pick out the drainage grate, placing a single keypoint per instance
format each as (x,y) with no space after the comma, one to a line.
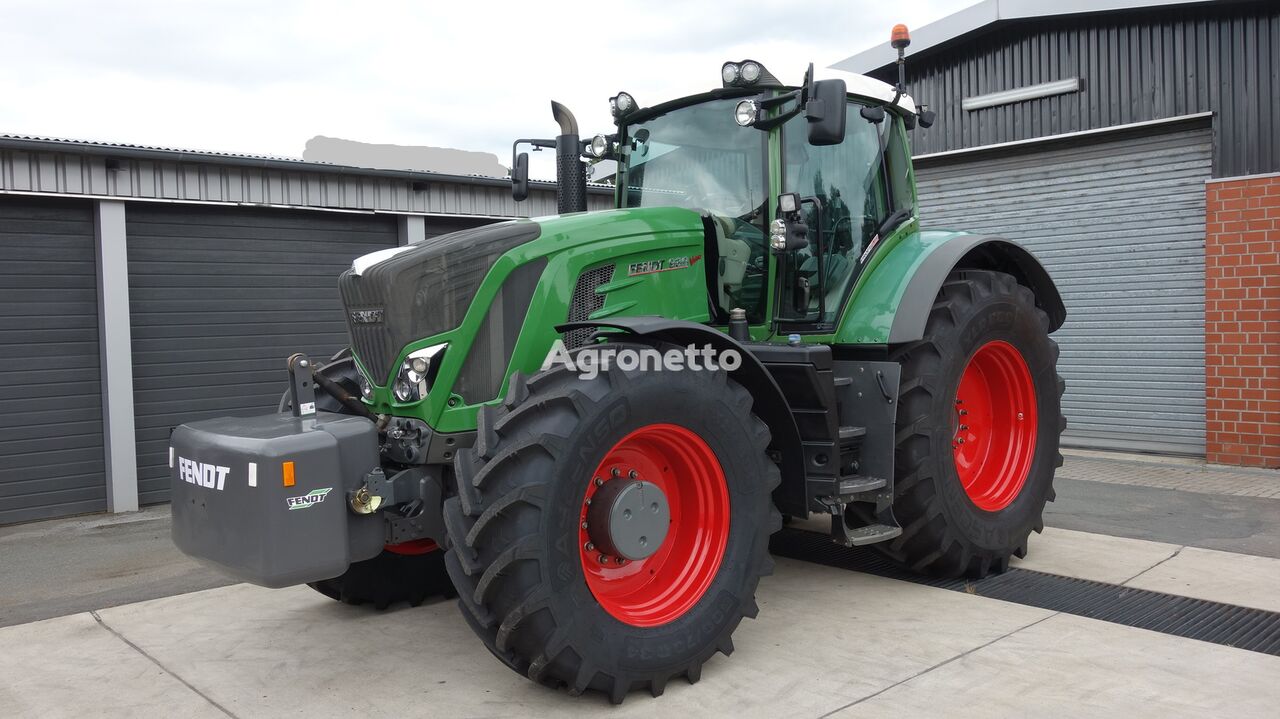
(1256,630)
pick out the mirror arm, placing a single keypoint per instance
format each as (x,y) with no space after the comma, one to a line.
(772,122)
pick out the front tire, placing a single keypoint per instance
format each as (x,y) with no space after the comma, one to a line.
(979,422)
(535,583)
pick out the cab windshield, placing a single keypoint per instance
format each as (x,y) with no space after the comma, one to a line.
(697,157)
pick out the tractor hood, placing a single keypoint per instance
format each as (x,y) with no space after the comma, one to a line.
(400,296)
(395,297)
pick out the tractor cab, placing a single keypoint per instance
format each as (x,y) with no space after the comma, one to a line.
(832,149)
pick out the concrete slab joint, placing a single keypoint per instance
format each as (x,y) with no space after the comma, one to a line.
(115,351)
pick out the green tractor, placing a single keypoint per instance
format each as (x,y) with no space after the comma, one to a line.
(588,425)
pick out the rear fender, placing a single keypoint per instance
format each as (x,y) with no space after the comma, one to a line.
(891,305)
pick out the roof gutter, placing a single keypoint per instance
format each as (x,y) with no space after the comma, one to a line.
(266,163)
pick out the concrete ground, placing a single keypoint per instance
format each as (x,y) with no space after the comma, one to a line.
(129,627)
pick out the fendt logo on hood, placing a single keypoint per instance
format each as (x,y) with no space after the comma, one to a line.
(202,474)
(367,317)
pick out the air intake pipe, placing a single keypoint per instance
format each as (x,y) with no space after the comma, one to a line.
(571,171)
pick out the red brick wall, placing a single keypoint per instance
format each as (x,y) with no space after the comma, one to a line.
(1242,321)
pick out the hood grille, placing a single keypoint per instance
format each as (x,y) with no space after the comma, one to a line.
(585,301)
(422,291)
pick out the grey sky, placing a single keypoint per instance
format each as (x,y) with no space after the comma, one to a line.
(264,76)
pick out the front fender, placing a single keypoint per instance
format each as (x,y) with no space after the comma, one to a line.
(768,401)
(891,303)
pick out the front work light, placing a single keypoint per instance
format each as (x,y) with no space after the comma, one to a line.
(778,235)
(746,112)
(621,104)
(599,146)
(746,74)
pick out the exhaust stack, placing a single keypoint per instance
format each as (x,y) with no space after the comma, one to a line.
(571,172)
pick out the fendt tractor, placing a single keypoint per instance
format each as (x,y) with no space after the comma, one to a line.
(499,428)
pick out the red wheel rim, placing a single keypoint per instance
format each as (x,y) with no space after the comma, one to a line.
(417,546)
(665,585)
(995,425)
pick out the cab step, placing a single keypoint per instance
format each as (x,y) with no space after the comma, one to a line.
(870,534)
(852,433)
(850,488)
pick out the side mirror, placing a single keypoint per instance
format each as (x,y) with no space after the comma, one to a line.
(520,178)
(825,111)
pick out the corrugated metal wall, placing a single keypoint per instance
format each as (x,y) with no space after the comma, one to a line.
(1119,224)
(51,451)
(219,298)
(83,174)
(1135,66)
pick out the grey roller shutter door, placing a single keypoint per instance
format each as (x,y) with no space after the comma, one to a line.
(51,454)
(219,299)
(1120,226)
(437,226)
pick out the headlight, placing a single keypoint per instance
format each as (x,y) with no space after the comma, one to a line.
(729,73)
(599,146)
(366,388)
(416,373)
(750,72)
(745,113)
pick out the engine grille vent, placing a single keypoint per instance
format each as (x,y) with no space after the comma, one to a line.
(586,301)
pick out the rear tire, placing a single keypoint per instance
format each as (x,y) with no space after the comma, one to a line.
(972,479)
(399,574)
(527,583)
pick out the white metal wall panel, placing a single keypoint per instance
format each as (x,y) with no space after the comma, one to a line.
(51,454)
(1119,224)
(202,178)
(219,299)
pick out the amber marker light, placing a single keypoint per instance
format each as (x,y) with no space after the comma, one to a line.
(899,38)
(286,470)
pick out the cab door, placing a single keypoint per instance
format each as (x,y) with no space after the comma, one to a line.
(846,195)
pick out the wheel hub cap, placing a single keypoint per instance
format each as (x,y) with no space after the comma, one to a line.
(628,518)
(995,425)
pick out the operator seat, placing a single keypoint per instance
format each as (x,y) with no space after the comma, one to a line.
(734,256)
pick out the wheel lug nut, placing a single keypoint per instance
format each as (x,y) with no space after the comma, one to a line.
(620,560)
(584,525)
(963,412)
(588,502)
(604,559)
(615,472)
(590,547)
(632,474)
(1019,416)
(964,427)
(599,481)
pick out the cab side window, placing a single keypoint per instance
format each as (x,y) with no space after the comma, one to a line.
(847,180)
